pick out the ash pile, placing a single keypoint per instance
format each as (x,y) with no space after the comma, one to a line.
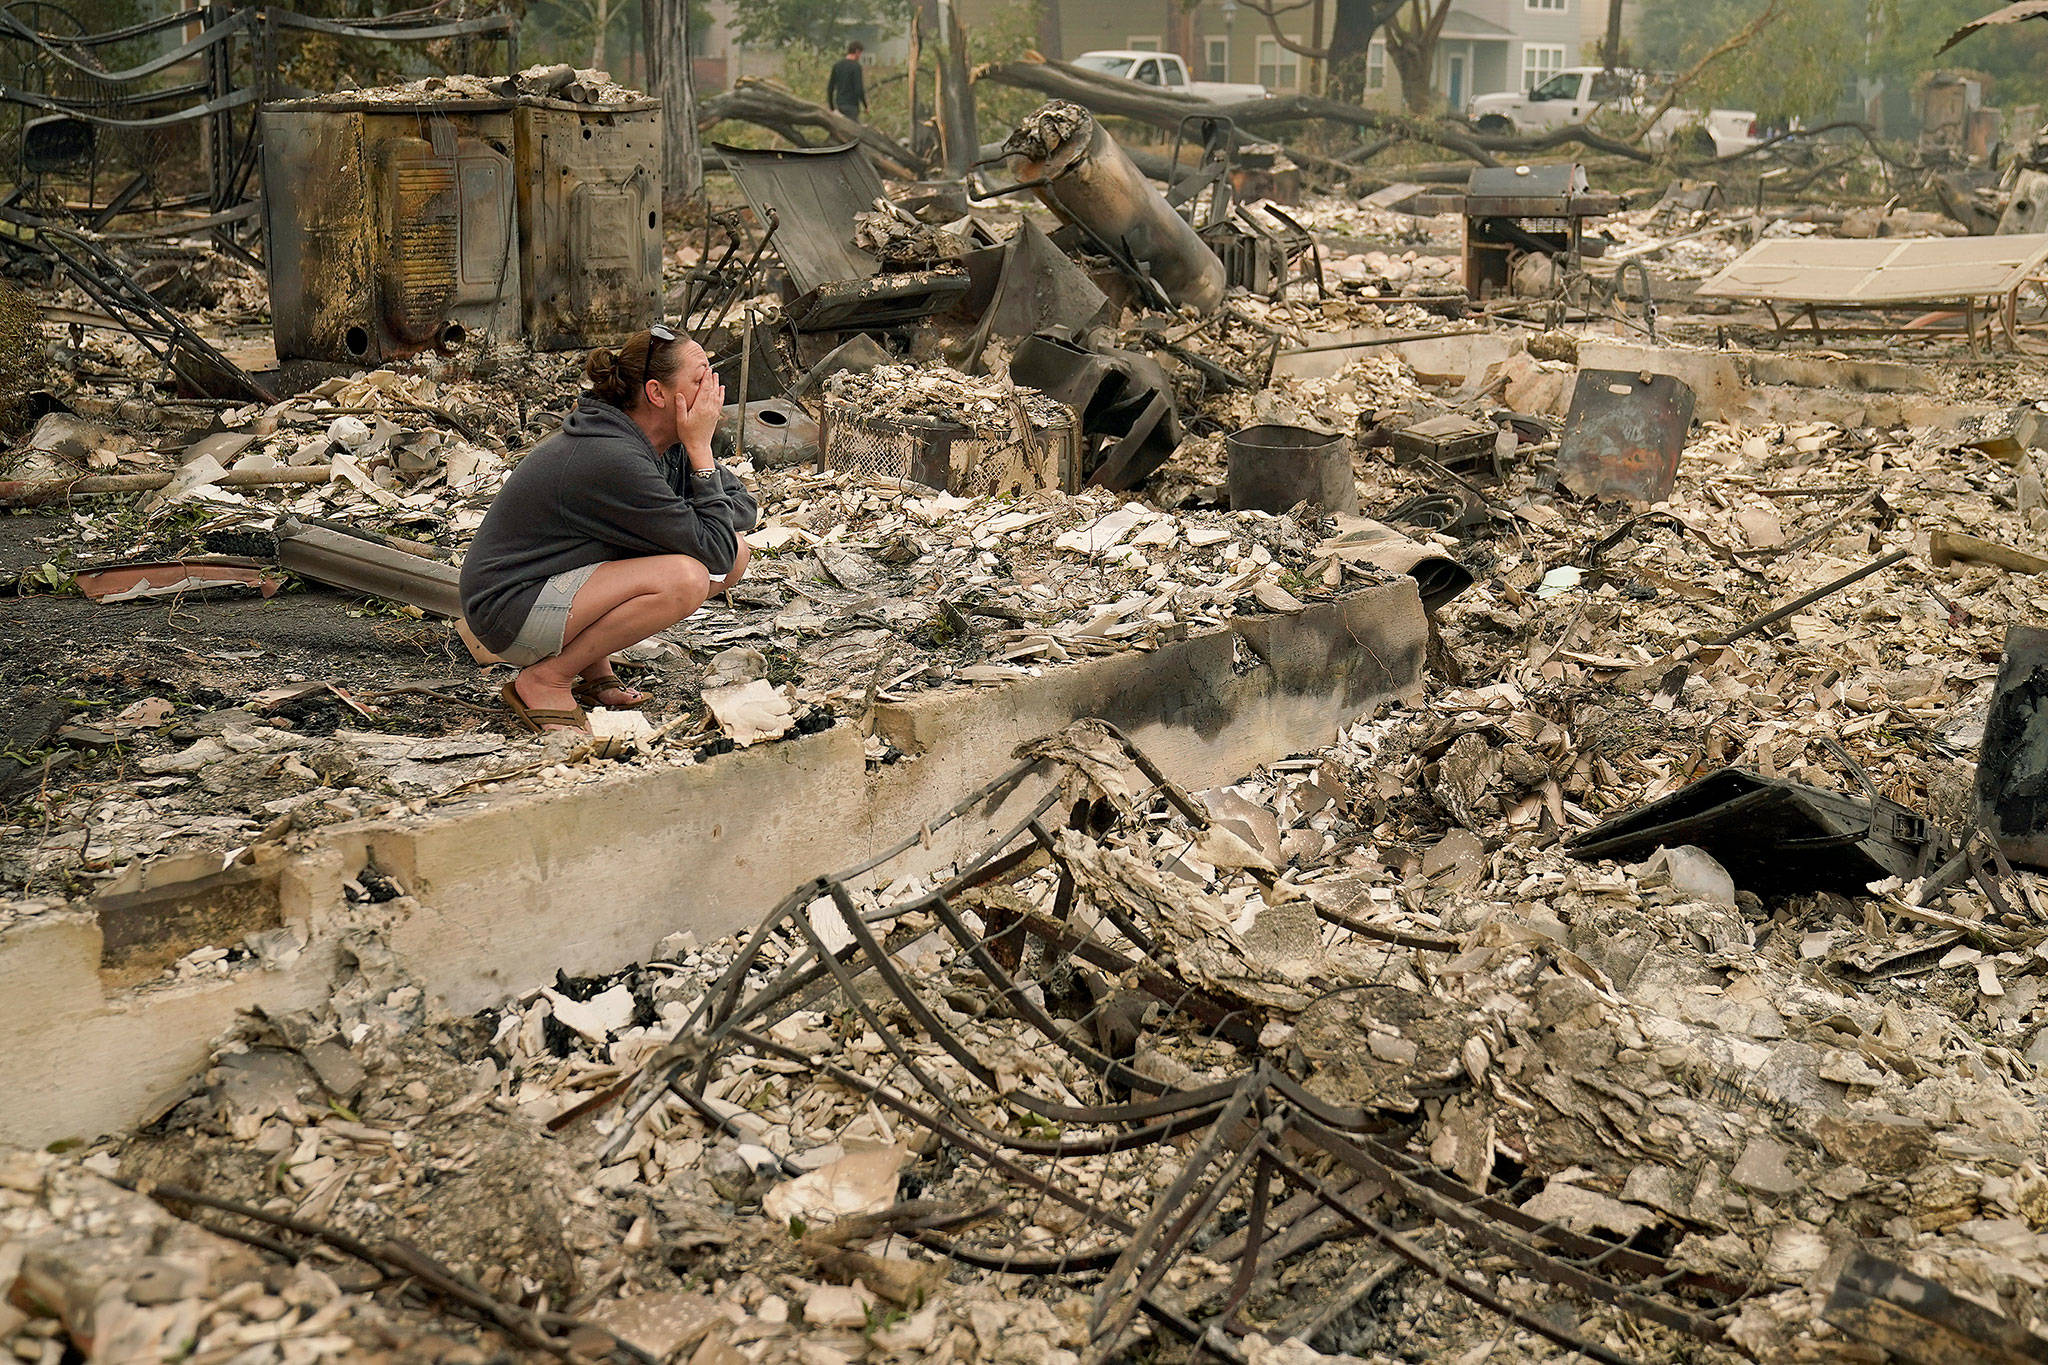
(1663,982)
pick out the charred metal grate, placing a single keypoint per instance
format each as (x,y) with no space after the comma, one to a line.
(951,456)
(1094,1054)
(425,242)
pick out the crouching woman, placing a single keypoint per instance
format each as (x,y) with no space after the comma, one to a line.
(613,529)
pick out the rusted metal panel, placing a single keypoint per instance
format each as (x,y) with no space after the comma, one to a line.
(391,229)
(589,189)
(1624,434)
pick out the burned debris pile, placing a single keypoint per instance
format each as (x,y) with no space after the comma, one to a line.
(1654,974)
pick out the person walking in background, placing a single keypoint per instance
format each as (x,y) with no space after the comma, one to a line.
(847,89)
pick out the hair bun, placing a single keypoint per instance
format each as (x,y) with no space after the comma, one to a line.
(603,370)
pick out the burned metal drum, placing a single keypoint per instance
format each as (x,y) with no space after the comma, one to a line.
(389,228)
(589,179)
(1090,181)
(1273,467)
(952,456)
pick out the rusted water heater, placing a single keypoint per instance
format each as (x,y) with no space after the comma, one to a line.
(589,185)
(390,228)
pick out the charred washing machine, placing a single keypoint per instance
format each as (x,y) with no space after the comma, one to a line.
(589,187)
(391,228)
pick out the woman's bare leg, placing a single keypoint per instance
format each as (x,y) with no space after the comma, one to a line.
(601,674)
(620,604)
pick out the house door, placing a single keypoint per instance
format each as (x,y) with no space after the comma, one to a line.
(1455,67)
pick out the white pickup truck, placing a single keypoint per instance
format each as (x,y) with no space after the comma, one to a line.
(1165,71)
(1578,93)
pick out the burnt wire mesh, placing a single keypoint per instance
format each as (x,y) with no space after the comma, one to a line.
(1105,1073)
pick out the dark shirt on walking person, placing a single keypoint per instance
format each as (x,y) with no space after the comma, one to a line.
(847,90)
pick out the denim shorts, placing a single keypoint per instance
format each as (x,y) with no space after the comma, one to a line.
(547,623)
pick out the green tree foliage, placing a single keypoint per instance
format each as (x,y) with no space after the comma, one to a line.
(1806,64)
(1799,66)
(2014,58)
(817,25)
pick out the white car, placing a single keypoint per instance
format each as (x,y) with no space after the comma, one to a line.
(1165,71)
(1577,93)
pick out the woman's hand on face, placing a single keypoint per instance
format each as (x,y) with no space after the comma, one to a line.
(699,418)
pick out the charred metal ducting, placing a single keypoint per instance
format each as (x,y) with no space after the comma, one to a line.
(370,565)
(1438,577)
(1775,837)
(391,228)
(1083,175)
(589,194)
(1128,417)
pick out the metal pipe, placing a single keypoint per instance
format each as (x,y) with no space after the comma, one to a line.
(1090,181)
(1799,604)
(739,440)
(371,567)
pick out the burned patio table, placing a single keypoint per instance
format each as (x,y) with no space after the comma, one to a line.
(1981,276)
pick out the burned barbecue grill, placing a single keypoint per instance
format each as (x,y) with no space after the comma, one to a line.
(1511,211)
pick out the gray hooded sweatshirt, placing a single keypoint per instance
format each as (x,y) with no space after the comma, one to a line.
(594,491)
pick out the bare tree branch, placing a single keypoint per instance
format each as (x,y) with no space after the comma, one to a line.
(1741,38)
(1273,13)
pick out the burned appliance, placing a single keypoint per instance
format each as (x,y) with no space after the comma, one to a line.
(1458,444)
(391,227)
(589,192)
(1512,211)
(1775,837)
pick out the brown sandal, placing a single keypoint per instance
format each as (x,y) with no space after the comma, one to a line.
(540,719)
(586,693)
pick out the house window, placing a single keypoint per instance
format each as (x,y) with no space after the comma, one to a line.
(1558,5)
(1143,43)
(1376,66)
(1539,63)
(1279,69)
(1216,59)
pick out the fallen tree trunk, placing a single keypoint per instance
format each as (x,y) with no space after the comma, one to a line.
(783,113)
(1125,99)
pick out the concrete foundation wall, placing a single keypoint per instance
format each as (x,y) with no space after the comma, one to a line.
(504,890)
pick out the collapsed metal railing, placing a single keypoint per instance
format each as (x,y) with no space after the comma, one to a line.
(1066,1022)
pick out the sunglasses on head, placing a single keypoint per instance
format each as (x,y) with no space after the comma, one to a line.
(658,332)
